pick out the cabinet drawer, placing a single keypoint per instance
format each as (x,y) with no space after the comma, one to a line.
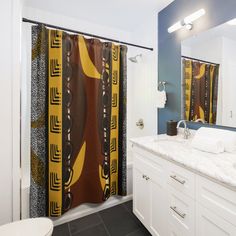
(181,212)
(140,163)
(218,199)
(156,171)
(148,156)
(208,223)
(182,180)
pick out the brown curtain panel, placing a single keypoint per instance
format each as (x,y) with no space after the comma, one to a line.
(84,105)
(200,90)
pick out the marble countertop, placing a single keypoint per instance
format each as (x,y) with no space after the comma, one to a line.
(220,167)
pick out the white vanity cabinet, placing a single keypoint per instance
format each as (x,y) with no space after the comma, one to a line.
(150,196)
(173,201)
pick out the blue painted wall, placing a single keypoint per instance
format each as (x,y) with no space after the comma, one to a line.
(169,47)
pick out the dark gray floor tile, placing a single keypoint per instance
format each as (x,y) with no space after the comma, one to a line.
(118,221)
(84,223)
(129,206)
(140,232)
(98,230)
(61,230)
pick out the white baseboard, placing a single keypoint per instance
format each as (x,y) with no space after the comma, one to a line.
(87,209)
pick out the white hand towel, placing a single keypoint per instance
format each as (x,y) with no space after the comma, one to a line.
(161,99)
(206,144)
(227,137)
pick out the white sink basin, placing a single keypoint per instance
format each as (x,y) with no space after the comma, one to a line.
(173,145)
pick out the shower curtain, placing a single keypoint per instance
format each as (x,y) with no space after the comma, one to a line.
(200,90)
(78,121)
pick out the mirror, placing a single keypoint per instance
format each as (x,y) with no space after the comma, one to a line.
(209,76)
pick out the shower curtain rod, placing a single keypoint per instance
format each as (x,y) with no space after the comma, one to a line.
(86,34)
(195,59)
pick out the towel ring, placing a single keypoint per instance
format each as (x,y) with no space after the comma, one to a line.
(163,85)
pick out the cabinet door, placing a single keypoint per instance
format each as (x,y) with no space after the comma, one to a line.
(158,210)
(141,196)
(209,223)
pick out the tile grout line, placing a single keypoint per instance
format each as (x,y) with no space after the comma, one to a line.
(104,224)
(85,228)
(69,229)
(132,214)
(127,209)
(133,232)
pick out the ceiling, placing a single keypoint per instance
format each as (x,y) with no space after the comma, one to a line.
(121,14)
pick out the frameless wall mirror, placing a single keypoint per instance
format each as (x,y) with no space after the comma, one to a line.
(209,76)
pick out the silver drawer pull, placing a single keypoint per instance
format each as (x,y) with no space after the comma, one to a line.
(182,215)
(178,180)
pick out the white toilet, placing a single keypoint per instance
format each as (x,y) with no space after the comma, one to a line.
(28,227)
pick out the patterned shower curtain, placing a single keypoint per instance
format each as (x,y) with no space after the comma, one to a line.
(201,90)
(78,121)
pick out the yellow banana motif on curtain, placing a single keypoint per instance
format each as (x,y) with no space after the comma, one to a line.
(89,69)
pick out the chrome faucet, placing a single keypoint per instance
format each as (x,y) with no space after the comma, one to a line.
(186,130)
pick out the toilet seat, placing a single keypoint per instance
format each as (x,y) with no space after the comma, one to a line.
(28,227)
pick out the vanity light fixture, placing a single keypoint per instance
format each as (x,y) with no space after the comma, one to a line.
(187,21)
(178,25)
(196,15)
(232,22)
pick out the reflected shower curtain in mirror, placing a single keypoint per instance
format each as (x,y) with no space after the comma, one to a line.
(200,90)
(78,121)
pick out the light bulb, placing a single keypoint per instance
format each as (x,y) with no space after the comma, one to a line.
(194,16)
(175,27)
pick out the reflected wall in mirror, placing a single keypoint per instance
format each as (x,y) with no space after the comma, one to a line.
(209,76)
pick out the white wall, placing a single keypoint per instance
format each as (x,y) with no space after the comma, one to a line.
(209,50)
(75,24)
(142,85)
(228,82)
(9,103)
(25,116)
(6,117)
